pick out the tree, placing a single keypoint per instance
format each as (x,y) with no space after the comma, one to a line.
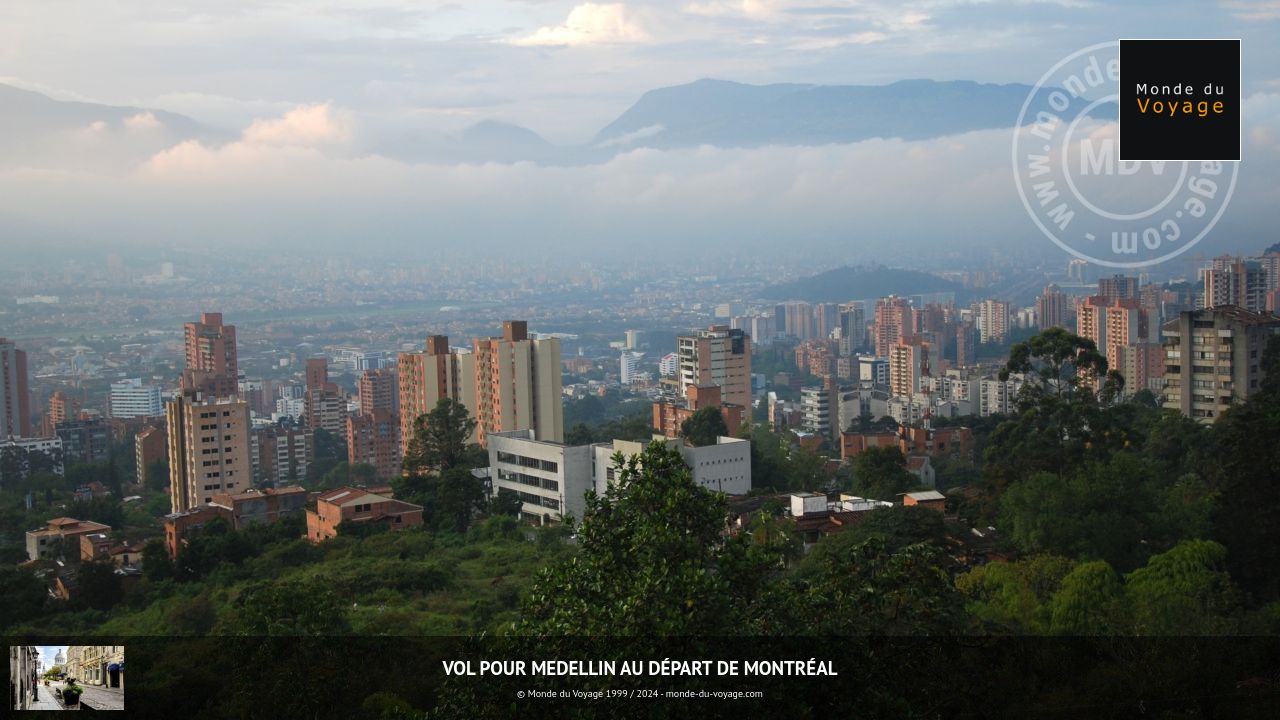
(193,616)
(704,426)
(579,434)
(156,563)
(1087,601)
(22,594)
(99,586)
(346,474)
(289,608)
(1057,360)
(880,473)
(1105,510)
(440,438)
(1012,597)
(651,559)
(1246,515)
(506,502)
(866,590)
(1185,591)
(897,527)
(158,475)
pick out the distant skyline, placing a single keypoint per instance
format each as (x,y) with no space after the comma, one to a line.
(323,124)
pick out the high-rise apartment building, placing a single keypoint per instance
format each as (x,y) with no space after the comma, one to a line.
(825,320)
(15,398)
(1270,264)
(280,455)
(379,390)
(1139,363)
(1242,283)
(1118,287)
(1126,324)
(1091,320)
(795,319)
(853,325)
(966,344)
(427,376)
(1112,324)
(209,448)
(908,363)
(373,438)
(1052,309)
(317,373)
(994,325)
(717,356)
(61,408)
(893,321)
(212,365)
(1213,358)
(629,367)
(131,399)
(325,407)
(518,384)
(149,447)
(510,382)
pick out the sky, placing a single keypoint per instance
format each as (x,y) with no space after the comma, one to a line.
(49,652)
(303,89)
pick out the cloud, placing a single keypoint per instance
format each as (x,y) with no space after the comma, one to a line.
(145,120)
(628,138)
(589,24)
(824,43)
(308,125)
(1254,10)
(908,202)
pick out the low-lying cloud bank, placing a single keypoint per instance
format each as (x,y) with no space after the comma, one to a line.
(305,179)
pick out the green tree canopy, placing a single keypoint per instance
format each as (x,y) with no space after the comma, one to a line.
(651,559)
(440,438)
(704,426)
(881,473)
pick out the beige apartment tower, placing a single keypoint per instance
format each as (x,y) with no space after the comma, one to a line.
(1213,358)
(427,376)
(209,449)
(717,356)
(518,385)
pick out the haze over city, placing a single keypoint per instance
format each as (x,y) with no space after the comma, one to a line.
(422,129)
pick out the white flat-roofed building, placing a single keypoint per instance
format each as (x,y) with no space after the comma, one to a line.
(131,398)
(723,467)
(551,478)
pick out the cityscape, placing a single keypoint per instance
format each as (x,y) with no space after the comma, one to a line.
(348,347)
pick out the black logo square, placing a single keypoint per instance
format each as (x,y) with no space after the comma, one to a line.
(1180,99)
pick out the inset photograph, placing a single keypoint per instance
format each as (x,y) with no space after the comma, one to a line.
(66,677)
